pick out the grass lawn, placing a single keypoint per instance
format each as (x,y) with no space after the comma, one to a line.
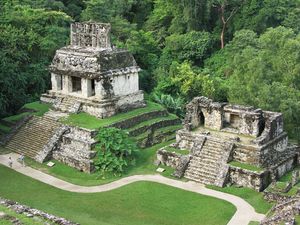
(252,197)
(144,165)
(40,108)
(141,203)
(22,218)
(176,150)
(91,122)
(246,166)
(297,218)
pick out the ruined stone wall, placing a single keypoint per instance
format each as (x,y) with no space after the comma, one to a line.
(89,34)
(246,120)
(189,141)
(273,127)
(213,117)
(274,151)
(167,158)
(284,166)
(246,178)
(100,110)
(246,154)
(126,84)
(75,149)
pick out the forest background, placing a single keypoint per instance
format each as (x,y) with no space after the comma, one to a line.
(241,51)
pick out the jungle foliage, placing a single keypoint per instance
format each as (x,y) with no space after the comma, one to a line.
(242,51)
(115,151)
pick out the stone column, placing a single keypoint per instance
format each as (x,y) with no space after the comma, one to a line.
(86,86)
(67,84)
(56,81)
(99,90)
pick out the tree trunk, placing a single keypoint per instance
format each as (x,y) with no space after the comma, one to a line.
(222,35)
(222,9)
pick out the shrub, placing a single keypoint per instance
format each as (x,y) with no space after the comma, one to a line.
(173,105)
(115,151)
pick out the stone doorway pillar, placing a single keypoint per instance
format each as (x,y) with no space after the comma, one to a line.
(86,85)
(56,81)
(67,84)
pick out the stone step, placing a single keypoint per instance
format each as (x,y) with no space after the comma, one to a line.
(200,175)
(201,180)
(204,159)
(214,142)
(214,149)
(213,154)
(203,171)
(33,136)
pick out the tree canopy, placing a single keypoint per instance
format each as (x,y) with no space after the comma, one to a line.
(242,51)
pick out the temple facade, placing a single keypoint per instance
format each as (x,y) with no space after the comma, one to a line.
(90,75)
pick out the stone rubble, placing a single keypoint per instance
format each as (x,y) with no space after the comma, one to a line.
(31,212)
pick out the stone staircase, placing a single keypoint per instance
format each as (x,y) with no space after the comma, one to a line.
(67,105)
(208,165)
(33,136)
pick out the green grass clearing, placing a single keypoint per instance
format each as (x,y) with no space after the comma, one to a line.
(153,121)
(144,165)
(251,196)
(246,166)
(139,203)
(16,118)
(176,150)
(40,108)
(91,122)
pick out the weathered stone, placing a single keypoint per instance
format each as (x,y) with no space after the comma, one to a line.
(256,137)
(91,76)
(30,212)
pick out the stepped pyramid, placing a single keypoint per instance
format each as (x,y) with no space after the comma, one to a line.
(33,136)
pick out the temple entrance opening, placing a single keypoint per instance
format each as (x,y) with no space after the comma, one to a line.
(202,119)
(76,84)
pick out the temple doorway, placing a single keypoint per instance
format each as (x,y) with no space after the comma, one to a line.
(76,84)
(201,119)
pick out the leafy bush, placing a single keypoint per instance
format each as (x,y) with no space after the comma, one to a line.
(173,105)
(114,151)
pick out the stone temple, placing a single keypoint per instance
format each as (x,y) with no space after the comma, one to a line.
(91,76)
(217,134)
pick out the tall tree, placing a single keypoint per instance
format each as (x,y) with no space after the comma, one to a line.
(226,10)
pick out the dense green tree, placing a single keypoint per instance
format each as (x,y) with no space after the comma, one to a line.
(266,75)
(28,40)
(193,46)
(146,53)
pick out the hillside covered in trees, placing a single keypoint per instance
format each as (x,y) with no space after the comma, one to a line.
(241,51)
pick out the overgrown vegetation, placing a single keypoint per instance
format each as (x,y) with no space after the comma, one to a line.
(115,151)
